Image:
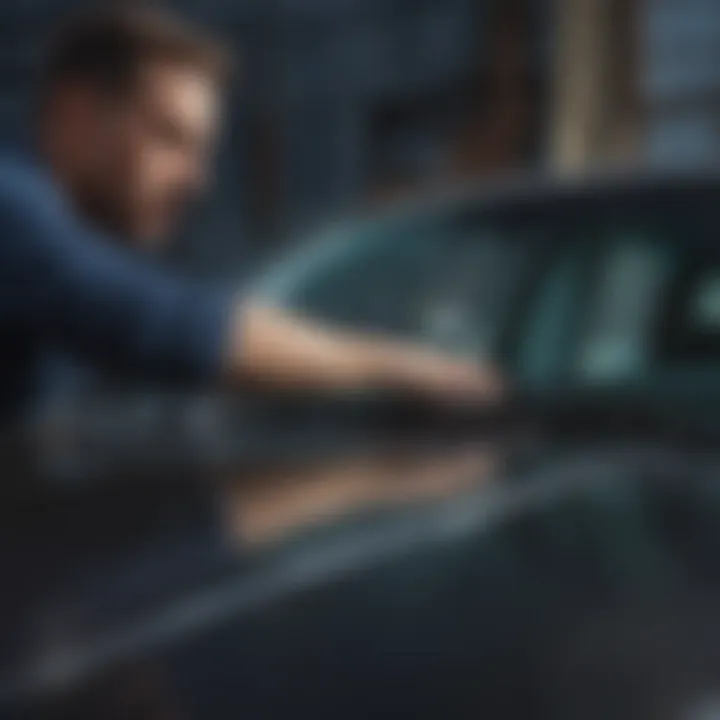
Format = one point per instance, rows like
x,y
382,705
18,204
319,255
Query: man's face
x,y
146,154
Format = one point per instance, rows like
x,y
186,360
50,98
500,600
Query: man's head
x,y
130,110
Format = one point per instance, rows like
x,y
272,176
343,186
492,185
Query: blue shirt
x,y
69,296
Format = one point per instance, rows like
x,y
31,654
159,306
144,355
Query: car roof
x,y
535,190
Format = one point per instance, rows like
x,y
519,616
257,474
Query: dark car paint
x,y
105,587
471,605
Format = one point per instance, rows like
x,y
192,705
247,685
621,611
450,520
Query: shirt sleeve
x,y
83,294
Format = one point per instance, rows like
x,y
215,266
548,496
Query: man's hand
x,y
280,350
437,376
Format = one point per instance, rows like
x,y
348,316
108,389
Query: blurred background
x,y
341,104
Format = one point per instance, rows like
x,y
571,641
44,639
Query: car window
x,y
544,339
633,274
443,282
626,303
688,329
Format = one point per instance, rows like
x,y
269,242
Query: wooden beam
x,y
596,111
582,47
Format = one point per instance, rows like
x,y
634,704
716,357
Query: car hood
x,y
593,537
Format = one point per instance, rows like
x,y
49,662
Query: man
x,y
127,115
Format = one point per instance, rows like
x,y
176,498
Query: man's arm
x,y
274,347
81,293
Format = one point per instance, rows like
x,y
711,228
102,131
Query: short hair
x,y
108,47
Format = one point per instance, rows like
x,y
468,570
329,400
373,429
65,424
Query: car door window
x,y
655,314
627,302
544,339
616,343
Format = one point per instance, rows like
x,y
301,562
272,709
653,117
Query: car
x,y
371,556
610,280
